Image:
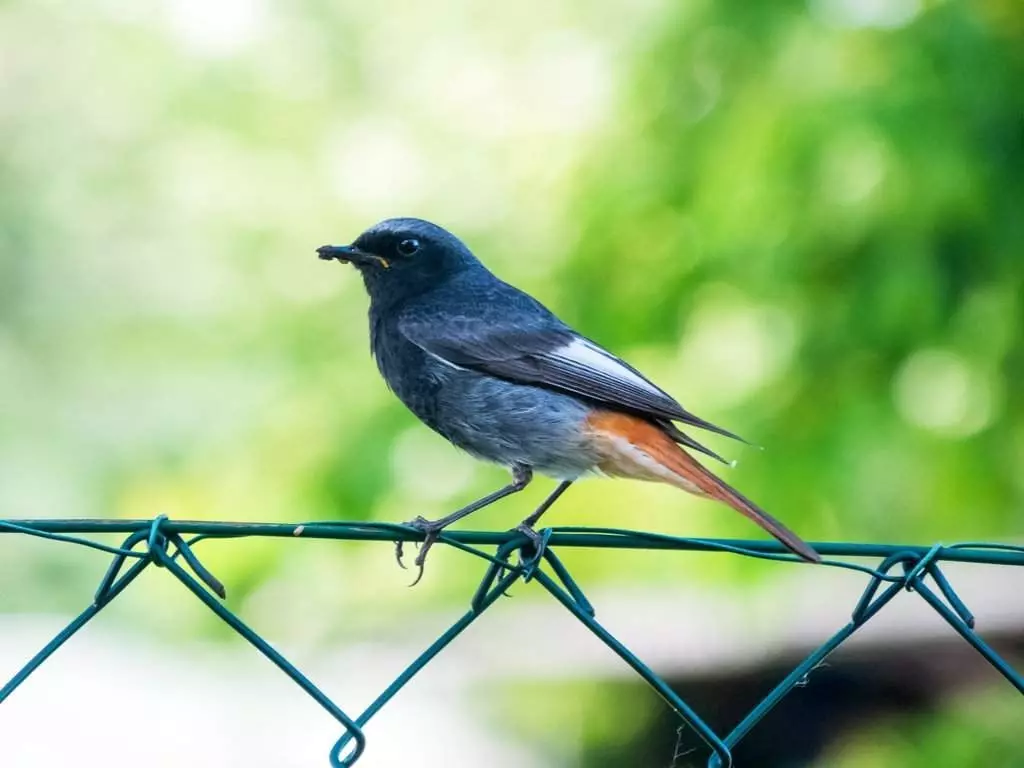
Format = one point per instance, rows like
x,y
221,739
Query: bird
x,y
500,376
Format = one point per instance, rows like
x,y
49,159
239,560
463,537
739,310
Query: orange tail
x,y
633,447
716,488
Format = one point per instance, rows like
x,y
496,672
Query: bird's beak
x,y
349,254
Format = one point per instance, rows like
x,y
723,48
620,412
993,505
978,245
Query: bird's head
x,y
402,257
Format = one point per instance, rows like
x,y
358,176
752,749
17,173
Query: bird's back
x,y
475,297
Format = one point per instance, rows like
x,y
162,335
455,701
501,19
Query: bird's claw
x,y
399,554
537,543
431,531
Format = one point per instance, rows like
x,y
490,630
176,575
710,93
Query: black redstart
x,y
497,374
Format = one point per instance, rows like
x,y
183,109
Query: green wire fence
x,y
169,544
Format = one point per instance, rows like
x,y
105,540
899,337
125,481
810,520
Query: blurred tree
x,y
824,208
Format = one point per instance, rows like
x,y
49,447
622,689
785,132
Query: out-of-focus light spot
x,y
732,348
886,14
376,168
940,391
217,29
853,167
705,90
471,93
561,85
569,78
426,468
702,87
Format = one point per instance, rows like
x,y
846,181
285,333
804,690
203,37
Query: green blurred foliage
x,y
805,220
844,206
975,731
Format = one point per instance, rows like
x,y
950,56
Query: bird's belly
x,y
514,424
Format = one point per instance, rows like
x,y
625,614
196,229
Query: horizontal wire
x,y
994,553
7,526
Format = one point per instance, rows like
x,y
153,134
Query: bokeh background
x,y
804,219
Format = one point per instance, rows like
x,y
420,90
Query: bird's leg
x,y
521,477
526,527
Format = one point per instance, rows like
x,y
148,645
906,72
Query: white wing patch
x,y
592,356
440,359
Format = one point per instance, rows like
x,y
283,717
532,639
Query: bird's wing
x,y
514,337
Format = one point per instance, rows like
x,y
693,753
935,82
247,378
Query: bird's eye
x,y
408,247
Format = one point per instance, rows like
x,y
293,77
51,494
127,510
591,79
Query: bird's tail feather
x,y
684,439
622,438
691,473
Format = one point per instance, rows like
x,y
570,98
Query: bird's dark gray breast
x,y
412,374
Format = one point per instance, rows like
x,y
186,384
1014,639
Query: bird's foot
x,y
534,550
530,553
431,530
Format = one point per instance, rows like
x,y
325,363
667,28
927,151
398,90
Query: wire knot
x,y
532,552
925,564
156,541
